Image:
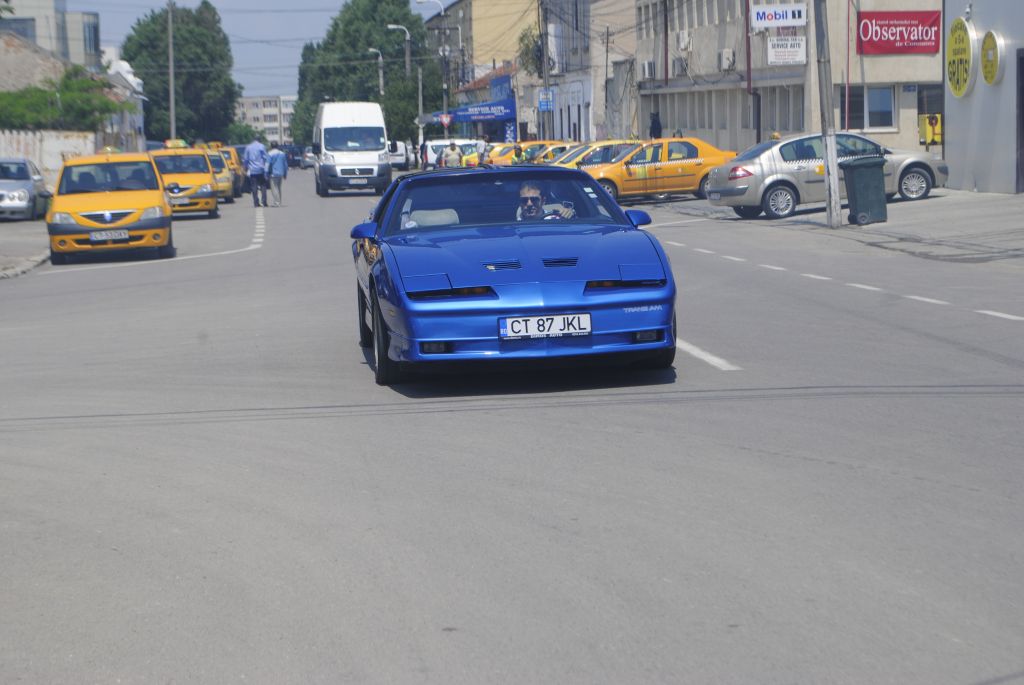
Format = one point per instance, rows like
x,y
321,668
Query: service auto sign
x,y
898,33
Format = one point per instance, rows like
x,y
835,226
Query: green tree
x,y
77,102
5,7
340,67
204,92
529,53
240,134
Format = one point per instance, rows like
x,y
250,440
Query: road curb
x,y
24,266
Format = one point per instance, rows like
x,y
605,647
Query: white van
x,y
350,142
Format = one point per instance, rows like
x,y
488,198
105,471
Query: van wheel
x,y
779,202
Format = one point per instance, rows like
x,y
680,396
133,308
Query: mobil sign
x,y
778,16
898,33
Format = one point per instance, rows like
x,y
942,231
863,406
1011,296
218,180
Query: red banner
x,y
898,33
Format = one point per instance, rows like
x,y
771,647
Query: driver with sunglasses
x,y
531,205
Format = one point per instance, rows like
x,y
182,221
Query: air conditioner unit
x,y
683,41
647,71
679,66
726,60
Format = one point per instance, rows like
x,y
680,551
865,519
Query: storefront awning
x,y
494,110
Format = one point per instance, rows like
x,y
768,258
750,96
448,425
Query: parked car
x,y
107,203
23,193
308,158
188,176
294,155
661,167
436,146
223,176
509,263
776,176
401,156
234,162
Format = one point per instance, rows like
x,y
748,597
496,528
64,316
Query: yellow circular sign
x,y
992,57
960,62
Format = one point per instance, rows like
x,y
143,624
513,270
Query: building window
x,y
272,104
270,118
24,27
721,109
784,109
745,107
768,108
929,98
869,107
797,95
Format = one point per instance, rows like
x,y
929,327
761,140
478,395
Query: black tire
x,y
915,183
663,358
610,189
365,332
320,190
213,213
379,190
779,201
702,188
747,212
385,370
58,258
167,251
230,200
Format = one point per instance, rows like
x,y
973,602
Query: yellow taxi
x,y
188,178
501,154
661,167
230,156
594,154
223,177
549,153
109,202
535,150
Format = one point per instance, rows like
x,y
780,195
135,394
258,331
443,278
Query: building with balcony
x,y
71,36
271,115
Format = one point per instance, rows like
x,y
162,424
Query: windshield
x,y
755,151
500,200
571,154
354,138
98,178
13,171
618,152
217,162
182,164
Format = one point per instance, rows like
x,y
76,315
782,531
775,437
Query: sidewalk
x,y
23,246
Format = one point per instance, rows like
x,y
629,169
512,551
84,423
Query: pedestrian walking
x,y
452,156
655,129
277,167
423,155
255,160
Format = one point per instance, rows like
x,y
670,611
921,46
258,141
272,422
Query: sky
x,y
266,37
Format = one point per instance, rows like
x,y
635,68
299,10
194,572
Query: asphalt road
x,y
200,481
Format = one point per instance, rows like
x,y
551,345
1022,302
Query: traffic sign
x,y
546,100
445,119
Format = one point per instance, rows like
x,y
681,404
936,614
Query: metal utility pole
x,y
543,17
828,130
380,68
419,95
408,47
170,66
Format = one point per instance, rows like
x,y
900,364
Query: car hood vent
x,y
503,265
560,261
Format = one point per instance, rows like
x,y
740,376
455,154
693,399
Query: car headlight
x,y
18,195
63,218
383,158
205,188
152,213
328,158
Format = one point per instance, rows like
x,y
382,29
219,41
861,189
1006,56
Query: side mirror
x,y
392,146
364,231
316,148
45,194
638,217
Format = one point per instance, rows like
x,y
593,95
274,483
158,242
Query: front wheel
x,y
915,184
167,251
747,212
213,213
365,332
665,357
610,189
58,258
779,202
386,371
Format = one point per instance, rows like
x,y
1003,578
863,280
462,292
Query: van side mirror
x,y
392,146
364,231
316,148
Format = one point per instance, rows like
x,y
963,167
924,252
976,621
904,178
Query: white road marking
x,y
733,259
925,299
773,268
1001,315
705,356
864,287
677,223
703,251
816,277
669,242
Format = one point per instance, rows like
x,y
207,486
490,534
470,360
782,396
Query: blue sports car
x,y
510,263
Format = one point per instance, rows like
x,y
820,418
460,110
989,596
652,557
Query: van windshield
x,y
354,138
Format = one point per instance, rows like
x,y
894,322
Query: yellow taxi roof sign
x,y
174,143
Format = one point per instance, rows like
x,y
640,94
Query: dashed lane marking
x,y
669,242
929,300
733,259
865,287
773,267
1001,315
816,277
703,251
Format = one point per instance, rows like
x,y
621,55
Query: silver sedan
x,y
23,193
777,175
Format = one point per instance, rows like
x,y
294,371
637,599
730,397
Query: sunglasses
x,y
530,200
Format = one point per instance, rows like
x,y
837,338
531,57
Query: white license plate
x,y
99,236
714,196
553,326
180,200
357,181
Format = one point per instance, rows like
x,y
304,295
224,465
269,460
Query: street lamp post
x,y
408,47
380,68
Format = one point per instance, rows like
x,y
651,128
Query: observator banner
x,y
898,33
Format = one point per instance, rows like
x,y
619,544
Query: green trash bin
x,y
865,189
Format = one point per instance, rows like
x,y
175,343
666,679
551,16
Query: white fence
x,y
48,149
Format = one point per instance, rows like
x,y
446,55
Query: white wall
x,y
48,149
